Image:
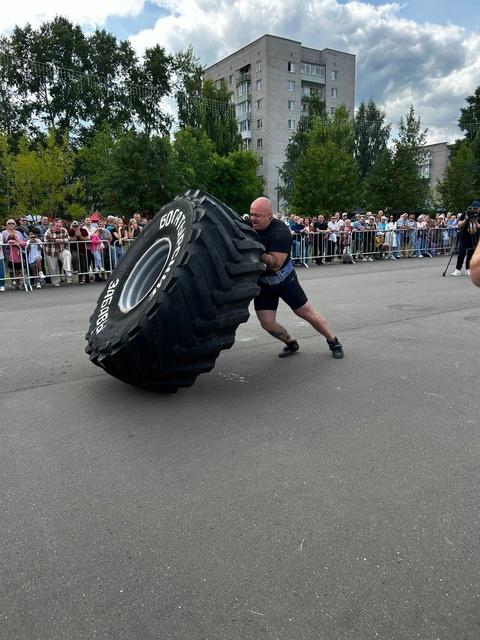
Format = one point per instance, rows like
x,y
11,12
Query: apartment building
x,y
433,164
269,80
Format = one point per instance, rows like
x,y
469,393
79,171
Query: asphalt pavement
x,y
296,499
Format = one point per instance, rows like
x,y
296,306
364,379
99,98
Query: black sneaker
x,y
291,348
336,348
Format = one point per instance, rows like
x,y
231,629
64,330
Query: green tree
x,y
14,108
378,185
188,84
410,133
148,84
203,105
42,181
326,175
410,190
93,162
337,129
234,180
44,62
5,177
218,118
194,157
141,175
470,123
470,116
371,135
460,184
111,68
298,144
326,179
58,77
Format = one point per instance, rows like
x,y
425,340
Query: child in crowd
x,y
97,247
34,258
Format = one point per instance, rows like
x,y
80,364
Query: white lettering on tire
x,y
102,319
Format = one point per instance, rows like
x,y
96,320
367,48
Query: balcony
x,y
310,77
243,77
244,96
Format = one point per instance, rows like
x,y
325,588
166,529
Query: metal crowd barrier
x,y
307,249
324,247
85,262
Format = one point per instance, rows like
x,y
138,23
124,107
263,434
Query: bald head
x,y
261,213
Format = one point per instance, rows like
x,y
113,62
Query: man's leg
x,y
318,322
268,321
66,260
462,251
53,271
267,318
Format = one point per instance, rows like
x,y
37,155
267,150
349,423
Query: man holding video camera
x,y
467,238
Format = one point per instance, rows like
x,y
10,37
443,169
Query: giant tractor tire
x,y
178,295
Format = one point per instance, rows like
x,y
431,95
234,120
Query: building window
x,y
242,89
260,160
243,107
258,65
259,123
308,92
291,85
334,75
246,144
258,84
230,79
260,143
334,92
259,104
291,105
332,111
291,123
425,165
291,67
313,69
244,125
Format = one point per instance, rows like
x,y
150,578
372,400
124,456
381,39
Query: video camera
x,y
471,214
473,211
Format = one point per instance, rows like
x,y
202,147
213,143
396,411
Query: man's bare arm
x,y
274,260
475,266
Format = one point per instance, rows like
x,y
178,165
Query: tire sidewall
x,y
108,323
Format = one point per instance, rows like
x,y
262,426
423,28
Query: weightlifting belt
x,y
279,276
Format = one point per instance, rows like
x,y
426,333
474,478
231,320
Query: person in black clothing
x,y
320,226
467,239
280,281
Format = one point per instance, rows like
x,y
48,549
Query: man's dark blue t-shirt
x,y
277,238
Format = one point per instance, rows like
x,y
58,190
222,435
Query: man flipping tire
x,y
280,281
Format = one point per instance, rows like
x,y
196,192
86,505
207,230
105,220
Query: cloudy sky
x,y
420,52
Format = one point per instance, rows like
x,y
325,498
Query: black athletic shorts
x,y
289,291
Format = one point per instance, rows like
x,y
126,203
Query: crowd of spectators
x,y
366,237
39,250
44,250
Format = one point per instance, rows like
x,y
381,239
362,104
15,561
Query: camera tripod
x,y
454,249
452,253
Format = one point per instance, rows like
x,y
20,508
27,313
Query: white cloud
x,y
399,62
86,12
